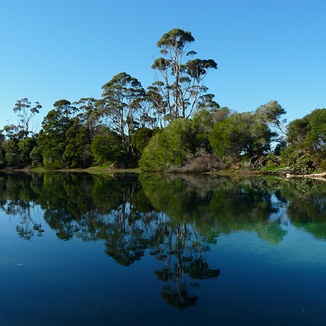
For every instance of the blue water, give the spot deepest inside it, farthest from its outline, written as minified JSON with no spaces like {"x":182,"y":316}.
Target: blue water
{"x":49,"y":281}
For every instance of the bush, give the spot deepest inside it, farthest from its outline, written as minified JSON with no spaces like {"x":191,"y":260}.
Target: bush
{"x":169,"y":149}
{"x":106,"y":148}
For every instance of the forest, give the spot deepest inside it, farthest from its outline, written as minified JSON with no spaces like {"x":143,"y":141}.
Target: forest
{"x":175,"y":125}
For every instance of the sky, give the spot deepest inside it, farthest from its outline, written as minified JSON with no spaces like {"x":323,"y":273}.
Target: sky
{"x":68,"y":49}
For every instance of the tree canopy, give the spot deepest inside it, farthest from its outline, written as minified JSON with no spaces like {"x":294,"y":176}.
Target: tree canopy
{"x":174,"y":124}
{"x":180,"y":91}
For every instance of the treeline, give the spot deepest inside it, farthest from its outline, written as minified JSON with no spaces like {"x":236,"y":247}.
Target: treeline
{"x":173,"y":125}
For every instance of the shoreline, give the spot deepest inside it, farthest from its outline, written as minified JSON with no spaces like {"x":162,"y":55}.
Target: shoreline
{"x":225,"y":172}
{"x":107,"y":170}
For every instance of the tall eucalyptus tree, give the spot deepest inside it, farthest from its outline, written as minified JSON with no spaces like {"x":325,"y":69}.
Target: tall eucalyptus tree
{"x":181,"y":90}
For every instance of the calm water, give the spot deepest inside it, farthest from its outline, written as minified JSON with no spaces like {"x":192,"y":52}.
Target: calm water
{"x":92,"y":250}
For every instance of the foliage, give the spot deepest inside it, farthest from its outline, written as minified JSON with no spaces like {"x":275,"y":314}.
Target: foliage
{"x":10,"y":147}
{"x":169,"y":149}
{"x":52,"y":138}
{"x":89,"y":116}
{"x":77,"y":151}
{"x":36,"y":157}
{"x":25,"y":148}
{"x":15,"y":153}
{"x":195,"y":134}
{"x":239,"y":135}
{"x":270,"y":114}
{"x":183,"y":146}
{"x":248,"y":134}
{"x":181,"y":90}
{"x":25,"y":113}
{"x":140,"y":139}
{"x":203,"y":123}
{"x":107,"y":147}
{"x":306,"y":142}
{"x":122,"y":97}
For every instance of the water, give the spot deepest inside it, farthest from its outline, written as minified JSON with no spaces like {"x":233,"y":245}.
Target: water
{"x":88,"y":250}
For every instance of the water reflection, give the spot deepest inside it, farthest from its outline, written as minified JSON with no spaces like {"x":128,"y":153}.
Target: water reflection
{"x":175,"y":219}
{"x":217,"y":205}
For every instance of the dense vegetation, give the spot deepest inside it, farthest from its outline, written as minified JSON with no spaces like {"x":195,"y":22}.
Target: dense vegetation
{"x":173,"y":125}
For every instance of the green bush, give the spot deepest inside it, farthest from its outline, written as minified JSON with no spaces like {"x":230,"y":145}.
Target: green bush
{"x":106,"y":148}
{"x":170,"y":149}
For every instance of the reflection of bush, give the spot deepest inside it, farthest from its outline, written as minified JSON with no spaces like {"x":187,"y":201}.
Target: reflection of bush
{"x":306,"y":205}
{"x":271,"y":232}
{"x":214,"y":204}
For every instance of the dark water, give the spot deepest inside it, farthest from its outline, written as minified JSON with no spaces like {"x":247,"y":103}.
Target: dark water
{"x":161,"y":250}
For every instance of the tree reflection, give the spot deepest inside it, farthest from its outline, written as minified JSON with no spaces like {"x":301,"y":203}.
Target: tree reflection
{"x":216,"y":205}
{"x":124,"y":240}
{"x":18,"y":200}
{"x":27,"y":227}
{"x":306,"y":205}
{"x":182,"y":255}
{"x":173,"y":218}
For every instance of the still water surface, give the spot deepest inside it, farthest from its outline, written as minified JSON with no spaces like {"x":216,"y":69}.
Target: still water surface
{"x":155,"y":250}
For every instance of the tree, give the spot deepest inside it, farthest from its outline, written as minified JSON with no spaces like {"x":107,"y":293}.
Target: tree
{"x":181,"y":91}
{"x":239,"y":135}
{"x":52,"y":140}
{"x":270,"y":114}
{"x":19,"y":144}
{"x":306,"y":142}
{"x":77,"y":151}
{"x":13,"y":132}
{"x":248,"y":135}
{"x":11,"y":150}
{"x":203,"y":123}
{"x":26,"y":147}
{"x":65,"y":109}
{"x":122,"y":96}
{"x":140,"y":139}
{"x":89,"y":115}
{"x":25,"y":113}
{"x":2,"y":150}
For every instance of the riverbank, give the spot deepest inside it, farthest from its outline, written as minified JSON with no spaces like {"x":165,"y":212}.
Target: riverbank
{"x":109,"y":170}
{"x":91,"y":170}
{"x":224,"y":172}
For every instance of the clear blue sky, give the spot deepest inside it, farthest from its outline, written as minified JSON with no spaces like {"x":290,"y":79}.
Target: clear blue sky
{"x":67,"y":49}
